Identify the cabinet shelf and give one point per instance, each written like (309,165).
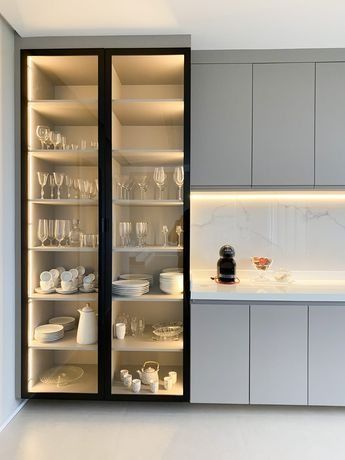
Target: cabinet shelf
(149,112)
(61,249)
(67,343)
(148,202)
(168,249)
(148,157)
(68,112)
(77,297)
(64,202)
(146,343)
(87,157)
(155,295)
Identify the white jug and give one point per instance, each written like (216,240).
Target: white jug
(87,328)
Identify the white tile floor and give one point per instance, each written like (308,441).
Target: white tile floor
(122,431)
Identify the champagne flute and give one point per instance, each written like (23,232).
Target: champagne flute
(81,185)
(59,231)
(42,180)
(165,232)
(42,132)
(51,224)
(159,177)
(51,185)
(179,179)
(69,183)
(58,177)
(42,231)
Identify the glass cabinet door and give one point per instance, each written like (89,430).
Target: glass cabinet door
(60,146)
(148,178)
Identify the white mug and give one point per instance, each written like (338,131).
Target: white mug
(154,386)
(66,285)
(127,380)
(46,285)
(123,373)
(136,385)
(173,376)
(120,330)
(168,383)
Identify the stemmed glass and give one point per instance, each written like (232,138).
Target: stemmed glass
(128,186)
(141,326)
(143,185)
(55,138)
(58,177)
(59,232)
(123,232)
(179,179)
(51,185)
(81,184)
(159,177)
(42,132)
(42,180)
(42,231)
(67,232)
(121,182)
(51,224)
(179,232)
(141,231)
(76,187)
(69,183)
(134,325)
(165,232)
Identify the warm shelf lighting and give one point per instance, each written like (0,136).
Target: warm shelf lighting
(315,195)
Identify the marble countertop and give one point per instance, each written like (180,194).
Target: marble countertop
(316,286)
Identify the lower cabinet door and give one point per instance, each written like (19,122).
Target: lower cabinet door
(327,355)
(278,354)
(219,353)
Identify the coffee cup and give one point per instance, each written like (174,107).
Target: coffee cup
(46,285)
(66,285)
(127,380)
(120,330)
(88,286)
(123,373)
(136,385)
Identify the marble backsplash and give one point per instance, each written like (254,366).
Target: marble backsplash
(297,234)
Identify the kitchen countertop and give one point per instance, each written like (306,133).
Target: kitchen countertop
(313,286)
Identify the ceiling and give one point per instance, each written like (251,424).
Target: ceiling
(215,24)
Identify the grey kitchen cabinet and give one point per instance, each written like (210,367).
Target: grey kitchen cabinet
(326,355)
(221,123)
(283,124)
(278,354)
(330,122)
(219,353)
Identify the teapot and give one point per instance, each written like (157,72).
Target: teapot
(87,327)
(149,372)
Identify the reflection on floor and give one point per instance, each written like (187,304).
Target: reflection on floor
(123,431)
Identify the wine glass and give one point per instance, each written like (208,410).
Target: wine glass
(179,232)
(58,177)
(142,184)
(51,224)
(141,326)
(59,231)
(55,138)
(42,132)
(121,182)
(76,187)
(42,180)
(134,325)
(69,183)
(67,232)
(81,185)
(159,177)
(51,185)
(123,232)
(128,186)
(165,232)
(42,230)
(179,179)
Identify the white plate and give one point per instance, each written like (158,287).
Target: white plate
(68,322)
(131,283)
(66,276)
(70,291)
(60,269)
(174,270)
(74,272)
(89,278)
(87,291)
(49,328)
(81,270)
(46,276)
(40,291)
(55,273)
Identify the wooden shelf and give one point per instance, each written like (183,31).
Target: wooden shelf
(149,112)
(67,343)
(148,157)
(154,295)
(65,202)
(68,112)
(67,157)
(146,343)
(87,384)
(177,390)
(150,203)
(62,249)
(168,249)
(77,297)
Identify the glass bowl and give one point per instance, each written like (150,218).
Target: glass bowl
(262,264)
(167,332)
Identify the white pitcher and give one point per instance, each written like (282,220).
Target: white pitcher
(87,328)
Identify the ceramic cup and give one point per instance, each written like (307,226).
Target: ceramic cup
(88,286)
(136,385)
(127,380)
(168,383)
(46,285)
(66,285)
(120,330)
(154,386)
(123,373)
(173,376)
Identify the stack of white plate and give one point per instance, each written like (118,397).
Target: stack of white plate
(130,288)
(49,332)
(172,269)
(171,282)
(137,276)
(68,322)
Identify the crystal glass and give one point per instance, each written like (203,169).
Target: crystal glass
(142,184)
(159,177)
(58,177)
(83,144)
(141,232)
(42,132)
(82,188)
(262,264)
(42,230)
(42,180)
(55,138)
(75,235)
(51,229)
(63,142)
(121,182)
(179,179)
(134,325)
(179,232)
(141,326)
(165,232)
(51,185)
(68,227)
(59,231)
(128,186)
(123,233)
(69,184)
(76,187)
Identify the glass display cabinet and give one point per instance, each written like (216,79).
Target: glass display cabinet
(105,224)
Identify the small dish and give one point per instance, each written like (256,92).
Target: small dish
(70,291)
(87,291)
(41,291)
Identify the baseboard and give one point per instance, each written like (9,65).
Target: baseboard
(19,408)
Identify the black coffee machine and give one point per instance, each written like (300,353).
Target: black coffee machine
(226,266)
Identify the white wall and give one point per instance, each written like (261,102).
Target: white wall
(8,402)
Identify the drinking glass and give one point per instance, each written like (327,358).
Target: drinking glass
(121,182)
(69,183)
(81,184)
(141,326)
(51,224)
(165,232)
(42,132)
(63,142)
(159,177)
(179,231)
(141,231)
(123,233)
(179,179)
(129,184)
(58,181)
(42,180)
(93,190)
(55,138)
(76,187)
(134,325)
(59,232)
(42,230)
(51,185)
(68,228)
(83,144)
(143,185)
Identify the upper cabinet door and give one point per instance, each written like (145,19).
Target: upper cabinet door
(283,124)
(330,122)
(221,125)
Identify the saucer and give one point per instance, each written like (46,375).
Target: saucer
(87,291)
(40,291)
(70,291)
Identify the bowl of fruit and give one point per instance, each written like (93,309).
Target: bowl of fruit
(262,264)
